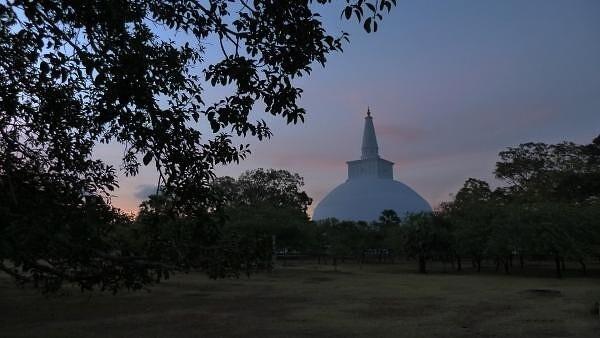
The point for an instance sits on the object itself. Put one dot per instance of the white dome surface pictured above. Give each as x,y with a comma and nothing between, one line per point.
363,199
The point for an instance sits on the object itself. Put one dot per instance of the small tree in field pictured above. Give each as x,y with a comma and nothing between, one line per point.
471,213
425,236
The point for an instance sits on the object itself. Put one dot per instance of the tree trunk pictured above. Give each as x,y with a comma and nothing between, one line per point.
521,261
422,267
458,264
558,267
497,264
334,263
583,267
273,250
479,264
362,259
507,265
562,264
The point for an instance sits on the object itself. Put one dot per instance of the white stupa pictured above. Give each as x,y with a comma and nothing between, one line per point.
370,187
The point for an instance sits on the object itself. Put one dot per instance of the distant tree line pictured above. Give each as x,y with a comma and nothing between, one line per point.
548,209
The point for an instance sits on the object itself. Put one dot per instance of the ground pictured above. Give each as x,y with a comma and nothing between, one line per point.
311,300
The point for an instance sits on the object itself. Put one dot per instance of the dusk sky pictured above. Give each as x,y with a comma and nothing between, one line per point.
449,83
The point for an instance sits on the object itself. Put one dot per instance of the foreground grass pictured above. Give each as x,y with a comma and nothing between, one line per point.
311,300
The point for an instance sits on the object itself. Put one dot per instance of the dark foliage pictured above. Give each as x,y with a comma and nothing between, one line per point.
266,210
77,73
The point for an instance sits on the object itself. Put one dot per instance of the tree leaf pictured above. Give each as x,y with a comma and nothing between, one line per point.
367,25
148,158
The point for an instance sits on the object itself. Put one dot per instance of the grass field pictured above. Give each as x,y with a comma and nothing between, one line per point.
314,301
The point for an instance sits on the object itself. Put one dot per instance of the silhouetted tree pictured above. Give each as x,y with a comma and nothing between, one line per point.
471,214
389,216
552,186
77,73
266,205
563,172
385,235
343,238
426,237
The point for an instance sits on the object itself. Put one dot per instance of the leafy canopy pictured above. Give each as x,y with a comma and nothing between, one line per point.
74,74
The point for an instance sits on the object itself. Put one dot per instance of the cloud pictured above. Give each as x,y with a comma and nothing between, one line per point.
397,133
143,191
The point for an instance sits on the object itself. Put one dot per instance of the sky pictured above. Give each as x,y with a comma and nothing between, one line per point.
449,83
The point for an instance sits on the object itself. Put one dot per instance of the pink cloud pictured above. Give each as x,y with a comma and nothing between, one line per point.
396,133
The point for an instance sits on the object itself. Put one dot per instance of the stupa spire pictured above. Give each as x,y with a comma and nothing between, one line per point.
369,140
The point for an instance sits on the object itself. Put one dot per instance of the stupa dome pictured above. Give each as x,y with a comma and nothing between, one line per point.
370,188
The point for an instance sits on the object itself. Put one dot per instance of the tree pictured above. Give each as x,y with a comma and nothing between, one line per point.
471,214
279,188
565,172
266,204
551,188
77,73
89,243
389,216
386,234
343,238
509,234
426,237
186,241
